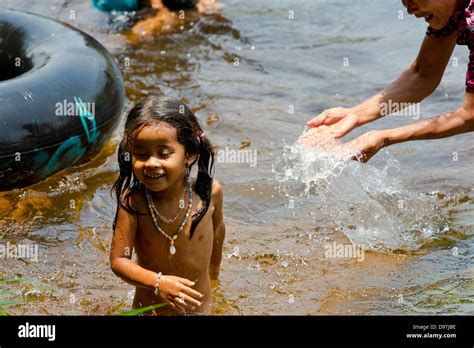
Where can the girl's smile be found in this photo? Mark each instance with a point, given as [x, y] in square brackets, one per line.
[153, 179]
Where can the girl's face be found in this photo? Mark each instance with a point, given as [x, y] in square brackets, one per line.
[158, 159]
[435, 12]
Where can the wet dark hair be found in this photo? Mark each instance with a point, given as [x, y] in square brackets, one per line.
[150, 112]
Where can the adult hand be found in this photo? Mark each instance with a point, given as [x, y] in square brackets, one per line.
[321, 136]
[177, 292]
[340, 121]
[368, 145]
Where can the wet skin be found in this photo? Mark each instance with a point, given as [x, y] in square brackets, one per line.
[158, 162]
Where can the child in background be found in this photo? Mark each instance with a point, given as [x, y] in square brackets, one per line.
[174, 224]
[165, 17]
[134, 5]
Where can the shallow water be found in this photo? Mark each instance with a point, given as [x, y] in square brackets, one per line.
[411, 207]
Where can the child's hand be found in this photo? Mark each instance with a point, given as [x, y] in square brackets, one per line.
[178, 294]
[163, 21]
[209, 6]
[156, 4]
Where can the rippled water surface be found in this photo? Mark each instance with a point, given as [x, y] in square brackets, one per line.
[244, 71]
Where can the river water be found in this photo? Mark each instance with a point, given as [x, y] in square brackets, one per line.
[254, 74]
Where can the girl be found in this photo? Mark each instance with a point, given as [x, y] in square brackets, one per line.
[175, 225]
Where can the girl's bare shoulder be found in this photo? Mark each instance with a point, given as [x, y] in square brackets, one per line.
[135, 200]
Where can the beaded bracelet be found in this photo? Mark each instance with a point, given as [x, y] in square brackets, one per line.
[157, 285]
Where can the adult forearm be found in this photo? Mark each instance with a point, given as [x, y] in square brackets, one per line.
[457, 122]
[409, 87]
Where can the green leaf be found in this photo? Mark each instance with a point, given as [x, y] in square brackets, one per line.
[11, 301]
[142, 310]
[16, 300]
[26, 280]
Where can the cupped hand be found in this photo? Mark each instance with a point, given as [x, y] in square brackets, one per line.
[321, 136]
[177, 292]
[340, 121]
[368, 145]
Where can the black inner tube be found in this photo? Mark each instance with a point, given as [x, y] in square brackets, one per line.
[13, 63]
[43, 64]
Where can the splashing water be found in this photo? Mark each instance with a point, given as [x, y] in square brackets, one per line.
[118, 21]
[367, 203]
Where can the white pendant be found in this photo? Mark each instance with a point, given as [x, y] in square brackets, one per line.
[172, 250]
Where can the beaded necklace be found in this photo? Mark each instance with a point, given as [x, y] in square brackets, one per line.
[152, 208]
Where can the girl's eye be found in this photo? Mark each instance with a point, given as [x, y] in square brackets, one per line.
[164, 153]
[139, 154]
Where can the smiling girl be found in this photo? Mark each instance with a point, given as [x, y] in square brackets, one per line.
[174, 224]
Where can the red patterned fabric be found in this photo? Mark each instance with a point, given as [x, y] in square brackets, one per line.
[461, 21]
